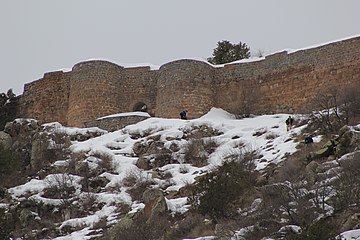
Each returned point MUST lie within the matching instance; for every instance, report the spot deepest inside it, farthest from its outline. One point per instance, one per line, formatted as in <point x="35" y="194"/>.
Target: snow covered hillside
<point x="106" y="167"/>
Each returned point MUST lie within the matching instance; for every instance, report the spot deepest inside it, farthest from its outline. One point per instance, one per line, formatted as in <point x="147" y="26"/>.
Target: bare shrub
<point x="331" y="114"/>
<point x="271" y="136"/>
<point x="322" y="193"/>
<point x="167" y="175"/>
<point x="186" y="227"/>
<point x="106" y="163"/>
<point x="166" y="183"/>
<point x="210" y="145"/>
<point x="146" y="132"/>
<point x="138" y="182"/>
<point x="59" y="186"/>
<point x="245" y="154"/>
<point x="301" y="121"/>
<point x="183" y="168"/>
<point x="201" y="131"/>
<point x="195" y="152"/>
<point x="290" y="170"/>
<point x="60" y="144"/>
<point x="132" y="178"/>
<point x="89" y="200"/>
<point x="74" y="158"/>
<point x="347" y="184"/>
<point x="259" y="132"/>
<point x="88" y="204"/>
<point x="239" y="144"/>
<point x="291" y="201"/>
<point x="350" y="99"/>
<point x="141" y="228"/>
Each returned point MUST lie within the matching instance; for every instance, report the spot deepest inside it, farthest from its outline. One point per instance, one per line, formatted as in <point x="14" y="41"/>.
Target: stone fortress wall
<point x="280" y="83"/>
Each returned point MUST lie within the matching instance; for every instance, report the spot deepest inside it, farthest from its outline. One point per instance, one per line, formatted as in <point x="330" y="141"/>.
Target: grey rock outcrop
<point x="5" y="140"/>
<point x="155" y="203"/>
<point x="152" y="154"/>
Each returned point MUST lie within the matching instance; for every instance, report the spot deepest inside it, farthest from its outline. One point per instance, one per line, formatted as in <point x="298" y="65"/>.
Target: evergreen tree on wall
<point x="8" y="108"/>
<point x="226" y="52"/>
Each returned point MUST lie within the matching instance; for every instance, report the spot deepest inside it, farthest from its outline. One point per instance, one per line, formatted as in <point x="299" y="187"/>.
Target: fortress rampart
<point x="47" y="99"/>
<point x="92" y="83"/>
<point x="184" y="84"/>
<point x="281" y="82"/>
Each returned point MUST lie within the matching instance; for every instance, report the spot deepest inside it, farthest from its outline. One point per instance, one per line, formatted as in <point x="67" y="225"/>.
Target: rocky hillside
<point x="215" y="177"/>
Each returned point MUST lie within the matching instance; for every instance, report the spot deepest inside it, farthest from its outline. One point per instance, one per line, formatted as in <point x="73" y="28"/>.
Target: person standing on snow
<point x="289" y="123"/>
<point x="183" y="114"/>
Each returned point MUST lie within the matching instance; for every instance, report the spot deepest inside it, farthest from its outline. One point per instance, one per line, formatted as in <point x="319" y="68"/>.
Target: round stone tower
<point x="93" y="91"/>
<point x="184" y="85"/>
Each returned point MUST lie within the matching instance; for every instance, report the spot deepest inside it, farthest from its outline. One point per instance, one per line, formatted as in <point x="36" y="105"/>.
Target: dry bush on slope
<point x="197" y="151"/>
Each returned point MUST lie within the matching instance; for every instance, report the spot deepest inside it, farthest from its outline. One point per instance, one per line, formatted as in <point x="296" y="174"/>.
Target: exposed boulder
<point x="126" y="222"/>
<point x="5" y="140"/>
<point x="155" y="203"/>
<point x="39" y="150"/>
<point x="22" y="127"/>
<point x="22" y="132"/>
<point x="327" y="150"/>
<point x="347" y="141"/>
<point x="152" y="154"/>
<point x="147" y="147"/>
<point x="311" y="172"/>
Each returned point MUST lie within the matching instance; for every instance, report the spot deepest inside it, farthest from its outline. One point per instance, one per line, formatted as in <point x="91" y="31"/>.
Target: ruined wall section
<point x="184" y="84"/>
<point x="47" y="99"/>
<point x="94" y="91"/>
<point x="138" y="87"/>
<point x="285" y="82"/>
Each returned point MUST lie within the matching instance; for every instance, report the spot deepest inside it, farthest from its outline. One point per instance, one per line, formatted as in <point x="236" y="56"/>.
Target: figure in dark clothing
<point x="183" y="115"/>
<point x="289" y="123"/>
<point x="308" y="140"/>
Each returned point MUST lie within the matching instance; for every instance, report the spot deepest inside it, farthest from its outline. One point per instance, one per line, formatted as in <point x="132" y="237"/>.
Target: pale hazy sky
<point x="40" y="36"/>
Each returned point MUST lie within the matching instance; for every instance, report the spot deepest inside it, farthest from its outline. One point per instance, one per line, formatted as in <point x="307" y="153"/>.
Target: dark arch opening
<point x="140" y="107"/>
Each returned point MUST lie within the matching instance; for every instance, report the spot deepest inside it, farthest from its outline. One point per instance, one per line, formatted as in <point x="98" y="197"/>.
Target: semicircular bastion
<point x="93" y="91"/>
<point x="184" y="84"/>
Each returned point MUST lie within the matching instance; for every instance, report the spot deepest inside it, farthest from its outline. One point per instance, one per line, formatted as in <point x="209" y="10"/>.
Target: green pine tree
<point x="226" y="52"/>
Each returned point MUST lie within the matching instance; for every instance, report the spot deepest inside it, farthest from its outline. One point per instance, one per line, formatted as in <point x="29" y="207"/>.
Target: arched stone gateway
<point x="140" y="107"/>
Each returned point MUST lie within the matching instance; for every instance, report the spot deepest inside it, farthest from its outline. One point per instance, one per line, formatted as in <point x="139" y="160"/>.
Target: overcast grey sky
<point x="40" y="36"/>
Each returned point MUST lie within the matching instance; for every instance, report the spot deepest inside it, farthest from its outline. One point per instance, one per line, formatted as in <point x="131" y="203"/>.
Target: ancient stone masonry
<point x="115" y="123"/>
<point x="281" y="82"/>
<point x="47" y="99"/>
